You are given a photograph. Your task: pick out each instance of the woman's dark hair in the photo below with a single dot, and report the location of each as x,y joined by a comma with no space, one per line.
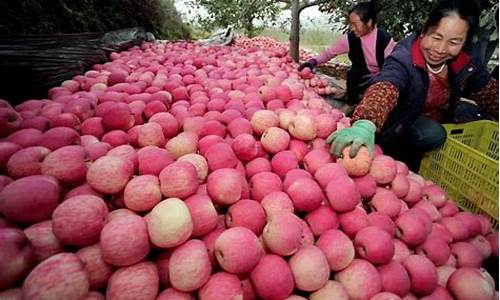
366,11
467,10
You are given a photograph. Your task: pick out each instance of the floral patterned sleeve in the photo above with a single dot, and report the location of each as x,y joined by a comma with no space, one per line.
378,101
487,98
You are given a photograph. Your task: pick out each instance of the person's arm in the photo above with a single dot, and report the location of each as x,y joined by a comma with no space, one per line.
378,101
487,98
382,95
340,46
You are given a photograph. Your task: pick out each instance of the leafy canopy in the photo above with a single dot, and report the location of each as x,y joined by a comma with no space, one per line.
402,17
398,17
248,15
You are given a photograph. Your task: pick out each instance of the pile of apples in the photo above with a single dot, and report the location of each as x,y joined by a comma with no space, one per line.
177,171
263,42
320,85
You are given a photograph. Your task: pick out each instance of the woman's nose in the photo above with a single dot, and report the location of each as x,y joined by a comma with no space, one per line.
441,47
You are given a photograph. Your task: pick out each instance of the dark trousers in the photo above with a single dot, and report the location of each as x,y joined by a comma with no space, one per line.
423,136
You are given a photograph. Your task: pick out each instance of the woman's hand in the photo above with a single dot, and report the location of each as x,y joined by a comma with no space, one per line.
362,132
309,64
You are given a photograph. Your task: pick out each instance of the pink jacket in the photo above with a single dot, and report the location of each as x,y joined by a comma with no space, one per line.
368,42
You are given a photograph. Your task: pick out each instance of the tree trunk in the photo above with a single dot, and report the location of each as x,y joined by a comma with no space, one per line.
295,30
249,27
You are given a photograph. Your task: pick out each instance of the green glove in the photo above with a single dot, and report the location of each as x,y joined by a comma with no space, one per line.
362,132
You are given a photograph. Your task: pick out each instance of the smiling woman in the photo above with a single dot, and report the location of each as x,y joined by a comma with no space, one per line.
420,86
443,41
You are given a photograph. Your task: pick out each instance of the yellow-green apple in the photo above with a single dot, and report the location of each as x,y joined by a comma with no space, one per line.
169,223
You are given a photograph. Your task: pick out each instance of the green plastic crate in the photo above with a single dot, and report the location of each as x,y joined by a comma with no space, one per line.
466,167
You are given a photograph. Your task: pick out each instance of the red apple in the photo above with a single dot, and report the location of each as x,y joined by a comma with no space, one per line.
272,278
189,266
17,256
97,269
30,199
238,250
85,215
139,281
61,276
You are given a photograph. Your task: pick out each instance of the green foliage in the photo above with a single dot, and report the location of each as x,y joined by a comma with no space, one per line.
25,17
248,15
489,20
398,17
402,17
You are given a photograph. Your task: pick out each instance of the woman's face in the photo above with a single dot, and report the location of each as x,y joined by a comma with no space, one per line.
444,41
357,26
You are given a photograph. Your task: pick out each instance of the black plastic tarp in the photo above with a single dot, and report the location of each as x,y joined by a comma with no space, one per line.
31,65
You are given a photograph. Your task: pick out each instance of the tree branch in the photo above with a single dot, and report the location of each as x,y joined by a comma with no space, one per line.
66,8
287,2
307,4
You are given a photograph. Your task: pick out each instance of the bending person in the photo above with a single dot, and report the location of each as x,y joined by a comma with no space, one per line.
366,45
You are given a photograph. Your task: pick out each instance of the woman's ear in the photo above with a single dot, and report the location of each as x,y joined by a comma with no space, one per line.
370,23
